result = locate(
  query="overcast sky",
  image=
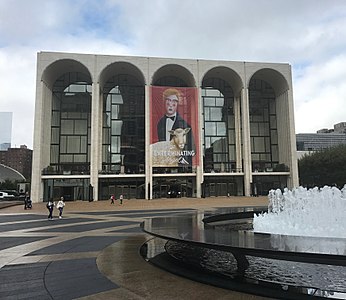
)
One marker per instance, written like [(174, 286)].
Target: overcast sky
[(308, 34)]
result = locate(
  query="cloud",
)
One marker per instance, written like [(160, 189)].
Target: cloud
[(310, 35), (320, 95)]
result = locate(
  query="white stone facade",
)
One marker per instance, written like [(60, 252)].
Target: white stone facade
[(238, 75)]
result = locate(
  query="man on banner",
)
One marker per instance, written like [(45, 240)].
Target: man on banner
[(171, 121)]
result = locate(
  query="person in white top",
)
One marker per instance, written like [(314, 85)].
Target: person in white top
[(60, 206)]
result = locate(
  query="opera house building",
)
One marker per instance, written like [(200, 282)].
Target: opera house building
[(149, 128)]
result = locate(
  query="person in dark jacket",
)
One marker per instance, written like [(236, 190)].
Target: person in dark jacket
[(172, 120), (50, 207)]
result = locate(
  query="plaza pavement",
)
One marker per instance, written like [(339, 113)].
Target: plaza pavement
[(93, 251)]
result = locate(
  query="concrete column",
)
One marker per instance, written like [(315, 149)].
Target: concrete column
[(237, 121), (36, 192), (148, 154), (286, 137), (294, 178), (246, 142), (96, 129), (199, 168)]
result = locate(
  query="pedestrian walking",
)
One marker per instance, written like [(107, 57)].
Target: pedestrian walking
[(121, 199), (50, 206), (60, 206), (22, 197), (112, 199), (27, 201)]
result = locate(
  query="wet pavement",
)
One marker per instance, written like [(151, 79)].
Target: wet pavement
[(93, 251)]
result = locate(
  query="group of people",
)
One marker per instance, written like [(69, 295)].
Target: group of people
[(121, 197), (60, 206)]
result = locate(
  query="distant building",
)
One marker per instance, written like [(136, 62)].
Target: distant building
[(19, 159), (5, 130), (324, 138), (340, 127), (319, 141)]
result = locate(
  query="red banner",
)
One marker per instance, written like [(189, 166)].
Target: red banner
[(174, 127)]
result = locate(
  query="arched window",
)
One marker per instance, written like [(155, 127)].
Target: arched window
[(263, 126), (123, 138), (70, 125), (219, 129)]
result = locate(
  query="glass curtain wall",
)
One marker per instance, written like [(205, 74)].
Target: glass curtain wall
[(123, 138), (263, 127), (70, 125), (219, 129)]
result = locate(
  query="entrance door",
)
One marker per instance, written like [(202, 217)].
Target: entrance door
[(221, 189), (67, 192), (212, 190)]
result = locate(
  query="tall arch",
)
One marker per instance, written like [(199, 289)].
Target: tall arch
[(63, 66), (269, 129), (181, 82), (173, 75), (66, 97), (221, 130), (123, 128)]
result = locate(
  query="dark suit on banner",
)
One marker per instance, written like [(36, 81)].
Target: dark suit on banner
[(179, 122)]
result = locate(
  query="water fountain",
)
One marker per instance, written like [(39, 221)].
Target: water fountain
[(305, 212), (221, 247)]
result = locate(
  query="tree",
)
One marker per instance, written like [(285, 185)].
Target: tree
[(8, 184), (325, 167)]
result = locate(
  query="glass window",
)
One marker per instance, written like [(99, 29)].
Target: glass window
[(263, 129), (262, 121), (206, 114), (54, 154), (116, 158), (105, 153), (259, 145), (217, 100), (55, 118), (79, 158), (70, 123), (73, 144), (272, 122), (231, 137), (108, 102), (116, 127), (125, 115), (212, 92), (83, 144), (207, 143), (254, 129), (115, 111), (220, 102), (66, 158), (55, 103), (274, 136), (209, 101), (81, 127), (117, 98), (63, 144), (115, 144), (106, 135), (216, 113), (66, 126), (221, 128), (210, 128), (55, 136), (275, 153)]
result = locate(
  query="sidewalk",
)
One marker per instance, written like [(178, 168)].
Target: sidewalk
[(93, 252), (140, 204)]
